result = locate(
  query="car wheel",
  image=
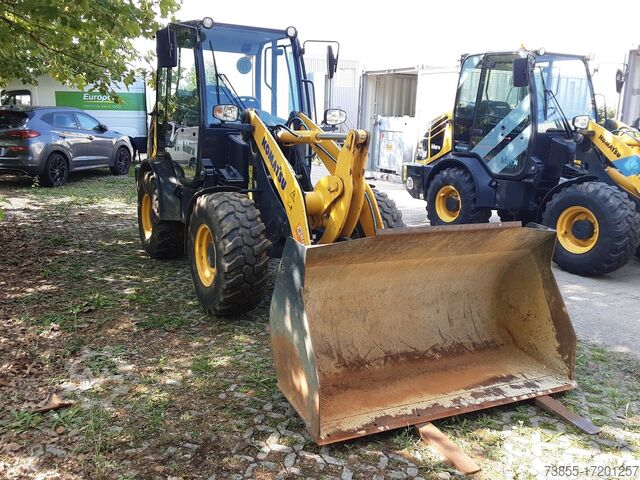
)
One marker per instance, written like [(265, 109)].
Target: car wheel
[(122, 162), (56, 171)]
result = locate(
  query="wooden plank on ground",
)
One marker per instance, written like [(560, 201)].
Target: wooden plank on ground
[(453, 454)]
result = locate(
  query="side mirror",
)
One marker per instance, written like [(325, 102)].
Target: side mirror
[(521, 72), (102, 127), (334, 116), (332, 62), (619, 80), (226, 113), (166, 48), (581, 122)]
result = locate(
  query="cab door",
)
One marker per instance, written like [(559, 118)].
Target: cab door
[(179, 106), (493, 117)]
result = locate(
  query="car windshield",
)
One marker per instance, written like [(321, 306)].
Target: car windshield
[(11, 119), (567, 79), (251, 68)]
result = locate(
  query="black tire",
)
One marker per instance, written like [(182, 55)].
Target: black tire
[(122, 162), (391, 215), (56, 171), (618, 225), (160, 239), (463, 209), (237, 248)]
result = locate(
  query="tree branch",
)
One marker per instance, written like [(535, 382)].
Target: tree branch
[(33, 37)]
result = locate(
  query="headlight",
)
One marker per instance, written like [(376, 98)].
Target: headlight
[(207, 22), (292, 32)]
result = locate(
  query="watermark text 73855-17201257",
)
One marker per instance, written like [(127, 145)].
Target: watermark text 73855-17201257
[(592, 471)]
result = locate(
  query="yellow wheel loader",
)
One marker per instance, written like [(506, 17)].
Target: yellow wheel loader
[(372, 327), (510, 146)]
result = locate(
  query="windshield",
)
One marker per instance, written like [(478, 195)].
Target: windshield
[(255, 69), (567, 79)]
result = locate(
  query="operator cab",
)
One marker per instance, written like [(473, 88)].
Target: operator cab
[(227, 66), (512, 108)]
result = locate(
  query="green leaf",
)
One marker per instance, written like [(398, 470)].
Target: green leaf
[(79, 43)]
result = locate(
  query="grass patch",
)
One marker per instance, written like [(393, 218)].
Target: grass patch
[(101, 362), (162, 322), (22, 421)]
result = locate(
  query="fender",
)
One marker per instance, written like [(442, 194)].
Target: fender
[(169, 205), (549, 195), (484, 182), (198, 194)]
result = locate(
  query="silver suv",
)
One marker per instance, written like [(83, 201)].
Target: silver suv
[(51, 142)]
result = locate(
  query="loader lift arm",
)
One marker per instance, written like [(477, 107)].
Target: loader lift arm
[(335, 206)]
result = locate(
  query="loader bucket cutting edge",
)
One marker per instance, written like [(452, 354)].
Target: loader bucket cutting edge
[(418, 324)]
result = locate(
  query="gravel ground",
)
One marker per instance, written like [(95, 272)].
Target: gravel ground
[(162, 390)]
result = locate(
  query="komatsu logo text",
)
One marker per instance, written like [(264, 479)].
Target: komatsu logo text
[(279, 177), (612, 148)]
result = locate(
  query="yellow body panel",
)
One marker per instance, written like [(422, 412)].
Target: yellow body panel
[(614, 147), (440, 126)]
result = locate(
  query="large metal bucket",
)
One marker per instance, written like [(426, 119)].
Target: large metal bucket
[(418, 324)]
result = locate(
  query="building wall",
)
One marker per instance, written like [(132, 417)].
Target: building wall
[(631, 92), (341, 92)]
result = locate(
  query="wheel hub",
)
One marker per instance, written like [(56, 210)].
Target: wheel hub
[(453, 204), (583, 229)]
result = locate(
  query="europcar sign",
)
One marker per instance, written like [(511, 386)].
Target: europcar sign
[(98, 101)]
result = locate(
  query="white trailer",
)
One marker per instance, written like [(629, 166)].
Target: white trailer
[(128, 117)]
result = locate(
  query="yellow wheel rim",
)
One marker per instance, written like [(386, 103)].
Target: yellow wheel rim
[(145, 216), (444, 196), (567, 235), (204, 252)]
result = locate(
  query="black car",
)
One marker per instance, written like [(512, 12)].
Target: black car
[(51, 142)]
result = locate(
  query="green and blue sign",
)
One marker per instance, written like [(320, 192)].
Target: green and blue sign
[(99, 101)]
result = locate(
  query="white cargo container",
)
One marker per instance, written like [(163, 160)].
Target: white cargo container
[(397, 105), (128, 117)]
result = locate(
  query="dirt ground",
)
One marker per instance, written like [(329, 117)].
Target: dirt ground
[(162, 390)]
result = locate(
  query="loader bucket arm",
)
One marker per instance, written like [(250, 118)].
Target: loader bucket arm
[(396, 329), (337, 202), (328, 152)]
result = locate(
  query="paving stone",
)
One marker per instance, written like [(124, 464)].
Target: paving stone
[(396, 475), (289, 460)]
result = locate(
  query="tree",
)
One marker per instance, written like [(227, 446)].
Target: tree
[(79, 43)]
